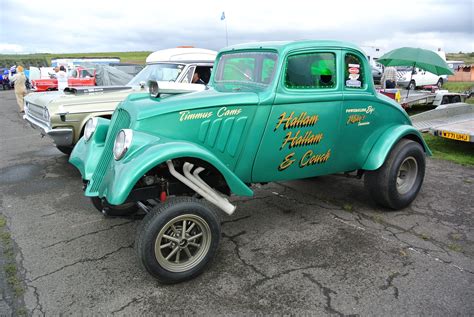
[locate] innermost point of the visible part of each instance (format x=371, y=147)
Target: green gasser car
x=274, y=111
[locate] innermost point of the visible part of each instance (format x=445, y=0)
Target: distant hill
x=7, y=60
x=468, y=58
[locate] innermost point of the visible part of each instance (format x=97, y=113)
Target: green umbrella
x=416, y=57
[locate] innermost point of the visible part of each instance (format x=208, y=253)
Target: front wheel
x=178, y=239
x=412, y=85
x=397, y=182
x=114, y=210
x=439, y=83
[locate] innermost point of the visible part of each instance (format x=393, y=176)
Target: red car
x=77, y=77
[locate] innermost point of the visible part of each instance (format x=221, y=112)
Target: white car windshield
x=158, y=72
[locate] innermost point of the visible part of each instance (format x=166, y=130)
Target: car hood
x=142, y=106
x=58, y=101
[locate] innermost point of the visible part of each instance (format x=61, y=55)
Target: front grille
x=120, y=120
x=37, y=112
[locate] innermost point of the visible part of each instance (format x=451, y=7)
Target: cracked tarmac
x=315, y=246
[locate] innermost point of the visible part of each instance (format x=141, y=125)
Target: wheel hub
x=182, y=243
x=406, y=175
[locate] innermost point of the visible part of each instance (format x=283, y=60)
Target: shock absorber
x=164, y=189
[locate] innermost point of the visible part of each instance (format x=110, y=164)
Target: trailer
x=453, y=121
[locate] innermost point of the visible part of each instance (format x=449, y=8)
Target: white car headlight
x=90, y=128
x=122, y=143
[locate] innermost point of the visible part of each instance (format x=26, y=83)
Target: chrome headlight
x=90, y=128
x=122, y=143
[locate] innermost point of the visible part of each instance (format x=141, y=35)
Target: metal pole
x=226, y=35
x=411, y=76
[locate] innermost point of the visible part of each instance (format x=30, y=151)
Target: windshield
x=254, y=70
x=158, y=72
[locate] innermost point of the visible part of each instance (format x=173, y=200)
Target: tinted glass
x=311, y=71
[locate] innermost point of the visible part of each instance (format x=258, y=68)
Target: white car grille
x=37, y=112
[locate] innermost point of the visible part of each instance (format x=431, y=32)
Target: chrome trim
x=61, y=137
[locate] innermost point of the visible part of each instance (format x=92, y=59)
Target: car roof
x=182, y=54
x=285, y=46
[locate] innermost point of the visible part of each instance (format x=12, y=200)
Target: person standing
x=19, y=79
x=62, y=78
x=389, y=77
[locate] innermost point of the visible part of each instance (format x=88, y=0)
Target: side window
x=353, y=71
x=311, y=71
x=204, y=73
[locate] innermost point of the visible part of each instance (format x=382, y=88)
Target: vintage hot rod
x=275, y=111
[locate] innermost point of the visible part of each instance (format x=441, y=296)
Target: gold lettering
x=187, y=115
x=301, y=121
x=309, y=158
x=287, y=162
x=354, y=118
x=297, y=140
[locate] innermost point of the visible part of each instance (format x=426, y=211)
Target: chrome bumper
x=61, y=137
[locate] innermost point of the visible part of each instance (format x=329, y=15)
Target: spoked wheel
x=177, y=239
x=114, y=210
x=397, y=182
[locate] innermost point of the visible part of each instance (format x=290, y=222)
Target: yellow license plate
x=455, y=136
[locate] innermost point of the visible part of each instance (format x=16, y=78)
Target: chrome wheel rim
x=182, y=243
x=406, y=175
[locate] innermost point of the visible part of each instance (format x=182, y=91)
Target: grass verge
x=450, y=150
x=458, y=86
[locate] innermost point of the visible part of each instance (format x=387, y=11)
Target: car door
x=303, y=126
x=361, y=115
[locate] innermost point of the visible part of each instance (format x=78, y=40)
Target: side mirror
x=142, y=84
x=153, y=89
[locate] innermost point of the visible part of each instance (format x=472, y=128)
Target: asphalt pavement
x=317, y=246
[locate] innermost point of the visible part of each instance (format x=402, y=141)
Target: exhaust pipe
x=199, y=186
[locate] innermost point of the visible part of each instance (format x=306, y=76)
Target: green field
x=451, y=150
x=125, y=57
x=468, y=58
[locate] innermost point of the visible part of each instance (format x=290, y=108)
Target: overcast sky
x=62, y=26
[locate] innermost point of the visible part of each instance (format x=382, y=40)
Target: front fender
x=120, y=180
x=387, y=140
x=86, y=154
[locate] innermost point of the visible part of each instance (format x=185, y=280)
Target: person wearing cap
x=19, y=79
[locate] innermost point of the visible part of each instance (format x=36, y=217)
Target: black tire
x=411, y=85
x=382, y=183
x=114, y=210
x=65, y=149
x=440, y=83
x=158, y=223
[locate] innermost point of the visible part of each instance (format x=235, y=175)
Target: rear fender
x=387, y=140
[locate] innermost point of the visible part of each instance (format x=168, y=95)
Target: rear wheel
x=114, y=210
x=397, y=182
x=177, y=239
x=412, y=85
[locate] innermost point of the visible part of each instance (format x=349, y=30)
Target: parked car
x=410, y=78
x=63, y=116
x=275, y=111
x=77, y=77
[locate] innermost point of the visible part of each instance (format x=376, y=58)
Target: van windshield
x=246, y=70
x=157, y=72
